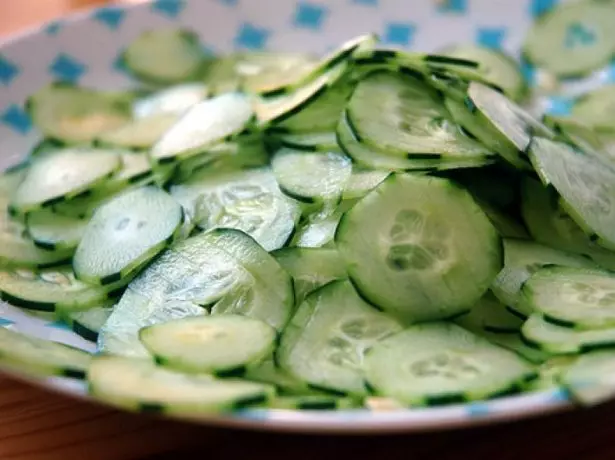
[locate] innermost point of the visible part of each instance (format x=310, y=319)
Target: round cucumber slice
x=597, y=108
x=447, y=364
x=125, y=233
x=219, y=344
x=311, y=142
x=433, y=257
x=572, y=39
x=313, y=403
x=53, y=231
x=139, y=134
x=174, y=100
x=88, y=323
x=590, y=380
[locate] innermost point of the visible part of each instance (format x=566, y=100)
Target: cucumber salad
x=291, y=231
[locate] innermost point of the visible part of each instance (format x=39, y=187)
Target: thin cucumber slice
x=572, y=297
x=559, y=340
x=268, y=372
x=136, y=170
x=311, y=177
x=506, y=225
x=573, y=39
x=313, y=403
x=447, y=364
x=586, y=185
x=221, y=271
x=204, y=125
x=139, y=134
x=310, y=142
x=63, y=174
x=49, y=289
x=361, y=182
x=413, y=121
x=515, y=126
x=88, y=323
x=318, y=229
x=597, y=108
x=40, y=357
x=125, y=233
x=165, y=56
x=220, y=344
x=174, y=100
x=325, y=341
x=492, y=316
x=523, y=258
x=310, y=268
x=53, y=231
x=550, y=372
x=590, y=380
x=74, y=115
x=139, y=385
x=249, y=200
x=575, y=133
x=421, y=269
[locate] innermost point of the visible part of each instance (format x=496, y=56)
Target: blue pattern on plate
x=453, y=6
x=477, y=409
x=8, y=71
x=310, y=15
x=53, y=27
x=559, y=105
x=397, y=33
x=491, y=37
x=111, y=17
x=540, y=7
x=6, y=322
x=252, y=37
x=17, y=119
x=67, y=68
x=170, y=8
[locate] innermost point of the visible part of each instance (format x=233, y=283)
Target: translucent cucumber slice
x=174, y=100
x=220, y=344
x=310, y=142
x=576, y=133
x=140, y=385
x=270, y=373
x=313, y=403
x=125, y=233
x=586, y=185
x=551, y=371
x=318, y=228
x=590, y=379
x=311, y=177
x=597, y=108
x=572, y=39
x=325, y=342
x=139, y=134
x=421, y=269
x=361, y=182
x=88, y=323
x=62, y=175
x=447, y=364
x=572, y=297
x=53, y=231
x=492, y=316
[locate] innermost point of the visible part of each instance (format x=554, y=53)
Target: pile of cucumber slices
x=299, y=232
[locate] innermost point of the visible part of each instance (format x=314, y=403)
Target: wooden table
x=38, y=425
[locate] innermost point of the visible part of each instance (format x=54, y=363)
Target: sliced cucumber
x=576, y=133
x=311, y=177
x=310, y=268
x=560, y=340
x=88, y=323
x=220, y=344
x=361, y=182
x=318, y=229
x=573, y=39
x=77, y=115
x=572, y=297
x=586, y=185
x=447, y=364
x=62, y=175
x=53, y=231
x=267, y=371
x=310, y=142
x=139, y=134
x=174, y=100
x=551, y=371
x=313, y=403
x=492, y=316
x=203, y=126
x=597, y=108
x=40, y=357
x=420, y=269
x=590, y=380
x=325, y=341
x=125, y=233
x=165, y=56
x=139, y=385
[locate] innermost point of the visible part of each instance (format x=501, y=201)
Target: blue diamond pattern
x=399, y=33
x=559, y=395
x=366, y=2
x=169, y=8
x=6, y=322
x=477, y=409
x=251, y=37
x=8, y=71
x=58, y=325
x=112, y=17
x=17, y=119
x=528, y=70
x=229, y=2
x=53, y=27
x=559, y=106
x=610, y=75
x=67, y=68
x=453, y=6
x=540, y=7
x=491, y=37
x=310, y=15
x=119, y=63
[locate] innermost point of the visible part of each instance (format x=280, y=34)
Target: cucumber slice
x=447, y=364
x=572, y=297
x=551, y=371
x=413, y=121
x=221, y=344
x=248, y=200
x=560, y=340
x=590, y=379
x=53, y=231
x=40, y=357
x=310, y=142
x=204, y=125
x=506, y=225
x=325, y=341
x=125, y=233
x=139, y=134
x=61, y=175
x=361, y=182
x=74, y=115
x=319, y=228
x=139, y=385
x=310, y=268
x=586, y=185
x=174, y=100
x=522, y=259
x=425, y=271
x=136, y=170
x=88, y=323
x=597, y=108
x=268, y=372
x=514, y=125
x=165, y=56
x=313, y=403
x=311, y=177
x=46, y=290
x=222, y=271
x=576, y=133
x=573, y=39
x=492, y=316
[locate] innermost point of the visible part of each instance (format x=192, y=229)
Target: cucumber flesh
x=596, y=108
x=174, y=100
x=139, y=134
x=88, y=323
x=53, y=231
x=590, y=379
x=317, y=142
